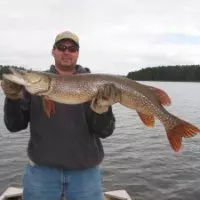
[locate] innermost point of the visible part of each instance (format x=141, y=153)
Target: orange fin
x=49, y=106
x=183, y=129
x=162, y=96
x=175, y=142
x=148, y=120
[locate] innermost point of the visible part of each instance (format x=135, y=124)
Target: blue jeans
x=44, y=183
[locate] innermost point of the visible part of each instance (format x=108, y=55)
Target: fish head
x=34, y=82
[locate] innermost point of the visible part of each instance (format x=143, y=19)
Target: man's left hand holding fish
x=106, y=96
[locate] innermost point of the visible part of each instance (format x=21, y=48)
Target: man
x=64, y=149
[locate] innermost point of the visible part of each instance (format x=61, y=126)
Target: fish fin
x=148, y=120
x=183, y=129
x=49, y=106
x=162, y=96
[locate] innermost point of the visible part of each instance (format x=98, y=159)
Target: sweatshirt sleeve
x=102, y=125
x=16, y=114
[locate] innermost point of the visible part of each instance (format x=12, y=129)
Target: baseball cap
x=67, y=35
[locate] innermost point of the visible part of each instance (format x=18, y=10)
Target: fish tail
x=180, y=130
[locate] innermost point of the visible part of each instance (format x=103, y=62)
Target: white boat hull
x=15, y=192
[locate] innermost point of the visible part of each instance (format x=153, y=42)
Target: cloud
x=115, y=36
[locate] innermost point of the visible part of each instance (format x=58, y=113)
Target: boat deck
x=14, y=193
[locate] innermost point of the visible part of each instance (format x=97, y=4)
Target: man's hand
x=11, y=90
x=107, y=95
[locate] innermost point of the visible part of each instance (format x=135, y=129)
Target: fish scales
x=82, y=88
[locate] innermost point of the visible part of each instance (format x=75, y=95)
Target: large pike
x=147, y=101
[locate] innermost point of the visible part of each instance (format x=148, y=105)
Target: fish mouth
x=17, y=76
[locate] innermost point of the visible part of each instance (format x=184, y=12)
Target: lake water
x=137, y=158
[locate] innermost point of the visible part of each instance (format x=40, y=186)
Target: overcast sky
x=116, y=36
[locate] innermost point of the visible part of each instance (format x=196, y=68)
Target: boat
x=15, y=193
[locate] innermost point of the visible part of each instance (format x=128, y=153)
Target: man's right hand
x=107, y=95
x=11, y=90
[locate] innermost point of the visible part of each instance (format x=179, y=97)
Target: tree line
x=190, y=73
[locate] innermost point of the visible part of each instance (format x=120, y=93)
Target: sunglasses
x=63, y=48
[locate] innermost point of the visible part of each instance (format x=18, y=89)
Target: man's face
x=65, y=58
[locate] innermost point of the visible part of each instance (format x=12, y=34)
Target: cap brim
x=66, y=39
